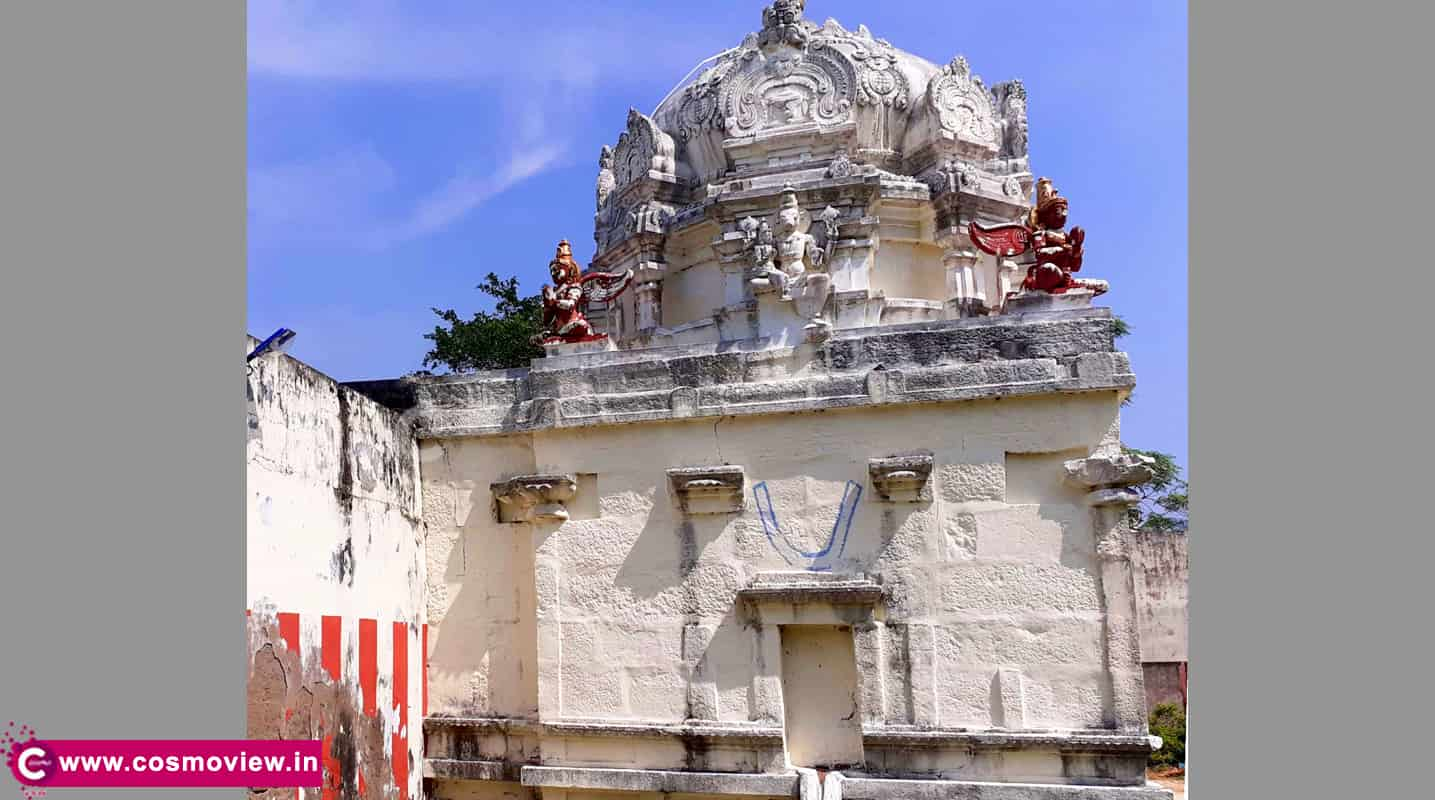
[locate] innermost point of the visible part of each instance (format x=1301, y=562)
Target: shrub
x=1169, y=722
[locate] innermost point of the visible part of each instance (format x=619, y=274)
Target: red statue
x=564, y=304
x=1058, y=254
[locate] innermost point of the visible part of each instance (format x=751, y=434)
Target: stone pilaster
x=702, y=687
x=648, y=295
x=966, y=282
x=922, y=656
x=1009, y=277
x=1108, y=481
x=871, y=671
x=1013, y=698
x=767, y=674
x=548, y=576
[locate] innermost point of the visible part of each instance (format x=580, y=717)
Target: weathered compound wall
x=335, y=580
x=1161, y=560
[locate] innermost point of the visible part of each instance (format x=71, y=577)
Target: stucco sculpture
x=1058, y=252
x=565, y=303
x=795, y=262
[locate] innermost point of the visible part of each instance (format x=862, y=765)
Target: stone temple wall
x=1162, y=572
x=662, y=568
x=335, y=579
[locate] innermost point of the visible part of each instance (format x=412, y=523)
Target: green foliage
x=1164, y=499
x=502, y=339
x=1169, y=722
x=1120, y=327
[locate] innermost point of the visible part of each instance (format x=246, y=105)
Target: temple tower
x=837, y=505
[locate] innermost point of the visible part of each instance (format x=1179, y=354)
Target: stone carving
x=841, y=166
x=708, y=490
x=642, y=148
x=782, y=22
x=902, y=479
x=534, y=498
x=606, y=181
x=1011, y=187
x=963, y=106
x=880, y=82
x=1010, y=99
x=566, y=302
x=792, y=261
x=1058, y=253
x=952, y=177
x=810, y=87
x=698, y=110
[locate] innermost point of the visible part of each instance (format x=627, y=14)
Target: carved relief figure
x=606, y=181
x=565, y=302
x=1010, y=97
x=792, y=261
x=1058, y=252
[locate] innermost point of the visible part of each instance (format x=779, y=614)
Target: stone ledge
x=888, y=789
x=872, y=735
x=729, y=734
x=717, y=733
x=665, y=781
x=1092, y=742
x=930, y=362
x=810, y=587
x=490, y=724
x=471, y=770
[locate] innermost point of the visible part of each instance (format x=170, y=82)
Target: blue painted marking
x=818, y=560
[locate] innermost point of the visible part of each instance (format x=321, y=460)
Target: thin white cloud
x=540, y=73
x=339, y=199
x=374, y=41
x=465, y=192
x=321, y=196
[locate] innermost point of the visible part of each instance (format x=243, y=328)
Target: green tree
x=1164, y=499
x=1169, y=722
x=502, y=339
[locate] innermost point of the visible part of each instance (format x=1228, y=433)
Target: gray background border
x=123, y=229
x=1303, y=425
x=121, y=318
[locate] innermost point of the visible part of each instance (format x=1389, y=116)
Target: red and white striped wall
x=382, y=662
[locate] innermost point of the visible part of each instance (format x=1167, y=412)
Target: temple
x=818, y=491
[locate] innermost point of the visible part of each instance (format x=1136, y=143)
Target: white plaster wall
x=692, y=294
x=333, y=530
x=910, y=269
x=481, y=613
x=996, y=573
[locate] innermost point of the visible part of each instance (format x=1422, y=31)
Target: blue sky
x=398, y=152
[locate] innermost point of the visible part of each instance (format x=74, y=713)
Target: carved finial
x=782, y=22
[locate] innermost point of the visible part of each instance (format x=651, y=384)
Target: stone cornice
x=927, y=362
x=1085, y=741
